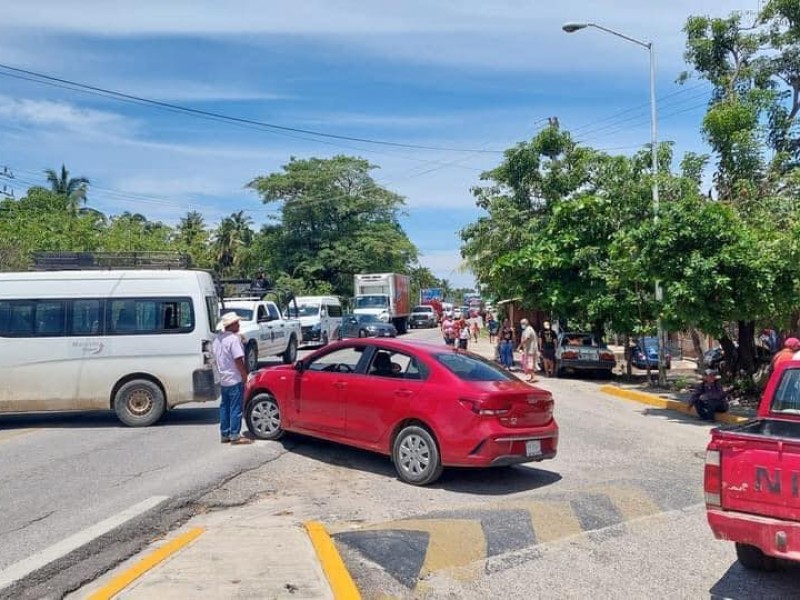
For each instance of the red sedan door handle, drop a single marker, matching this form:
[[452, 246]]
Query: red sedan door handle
[[340, 385], [403, 393]]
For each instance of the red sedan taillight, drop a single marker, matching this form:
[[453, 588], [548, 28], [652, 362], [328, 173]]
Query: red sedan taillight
[[487, 407], [569, 355], [713, 478], [606, 356]]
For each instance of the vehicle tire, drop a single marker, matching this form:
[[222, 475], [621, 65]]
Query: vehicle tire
[[362, 333], [263, 417], [754, 559], [251, 357], [558, 369], [139, 403], [416, 456], [325, 338], [290, 354]]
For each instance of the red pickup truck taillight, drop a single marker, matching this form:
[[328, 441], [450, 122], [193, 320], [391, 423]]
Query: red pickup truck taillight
[[713, 479]]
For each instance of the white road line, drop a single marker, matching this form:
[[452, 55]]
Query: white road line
[[28, 565]]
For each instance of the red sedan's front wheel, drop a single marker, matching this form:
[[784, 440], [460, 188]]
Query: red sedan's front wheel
[[416, 456]]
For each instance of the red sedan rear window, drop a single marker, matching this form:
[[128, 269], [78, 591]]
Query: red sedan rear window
[[472, 368]]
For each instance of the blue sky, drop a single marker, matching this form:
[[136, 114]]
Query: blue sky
[[463, 74]]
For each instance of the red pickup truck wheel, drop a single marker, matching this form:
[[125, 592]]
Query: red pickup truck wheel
[[754, 559]]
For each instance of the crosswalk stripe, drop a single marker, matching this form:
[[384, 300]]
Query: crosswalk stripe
[[453, 543], [552, 520], [633, 503]]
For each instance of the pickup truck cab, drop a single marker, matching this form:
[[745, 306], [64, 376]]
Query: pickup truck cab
[[264, 330], [752, 477]]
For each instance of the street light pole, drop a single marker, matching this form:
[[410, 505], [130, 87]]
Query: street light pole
[[572, 28]]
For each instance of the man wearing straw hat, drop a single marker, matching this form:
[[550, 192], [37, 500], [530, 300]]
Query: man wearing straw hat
[[229, 356]]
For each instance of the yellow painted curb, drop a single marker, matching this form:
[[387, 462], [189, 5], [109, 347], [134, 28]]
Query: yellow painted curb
[[666, 403], [342, 585], [123, 580]]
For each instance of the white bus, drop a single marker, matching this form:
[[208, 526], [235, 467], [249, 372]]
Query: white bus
[[133, 341]]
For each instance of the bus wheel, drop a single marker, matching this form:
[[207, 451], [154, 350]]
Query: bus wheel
[[139, 403]]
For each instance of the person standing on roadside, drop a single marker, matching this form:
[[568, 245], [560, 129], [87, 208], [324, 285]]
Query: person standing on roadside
[[462, 326], [547, 342], [529, 346], [506, 345], [448, 330], [229, 356], [491, 325]]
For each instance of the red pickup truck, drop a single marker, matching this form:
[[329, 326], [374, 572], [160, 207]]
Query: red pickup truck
[[752, 477]]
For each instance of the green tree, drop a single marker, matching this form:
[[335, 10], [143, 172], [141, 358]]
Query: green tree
[[335, 221], [755, 74], [73, 188], [192, 238], [232, 239]]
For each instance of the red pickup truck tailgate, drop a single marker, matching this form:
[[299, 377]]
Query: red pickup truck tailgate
[[761, 475]]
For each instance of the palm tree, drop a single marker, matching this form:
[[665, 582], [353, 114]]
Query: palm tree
[[192, 228], [230, 238], [74, 188]]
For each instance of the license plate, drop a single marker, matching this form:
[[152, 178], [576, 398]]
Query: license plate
[[533, 448]]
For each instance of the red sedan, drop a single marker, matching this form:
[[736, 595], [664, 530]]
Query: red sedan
[[426, 405]]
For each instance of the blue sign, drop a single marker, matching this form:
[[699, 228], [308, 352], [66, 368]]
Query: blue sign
[[429, 294]]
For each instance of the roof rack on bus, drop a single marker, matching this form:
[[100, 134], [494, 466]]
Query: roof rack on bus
[[58, 261]]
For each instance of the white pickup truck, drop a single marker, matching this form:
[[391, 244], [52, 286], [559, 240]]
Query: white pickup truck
[[264, 330]]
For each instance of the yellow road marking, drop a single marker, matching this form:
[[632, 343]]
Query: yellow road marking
[[123, 580], [552, 520], [633, 503], [666, 403], [341, 582], [452, 543]]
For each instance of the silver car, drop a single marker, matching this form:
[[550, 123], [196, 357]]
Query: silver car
[[581, 351]]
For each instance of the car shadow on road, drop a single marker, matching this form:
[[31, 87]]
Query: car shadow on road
[[740, 584], [98, 419], [481, 481]]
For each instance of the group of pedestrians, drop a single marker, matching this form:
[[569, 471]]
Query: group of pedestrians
[[458, 332], [531, 345]]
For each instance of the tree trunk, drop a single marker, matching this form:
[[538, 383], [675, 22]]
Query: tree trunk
[[697, 344], [746, 361], [628, 356], [729, 363]]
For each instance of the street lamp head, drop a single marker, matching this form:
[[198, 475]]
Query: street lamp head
[[572, 27]]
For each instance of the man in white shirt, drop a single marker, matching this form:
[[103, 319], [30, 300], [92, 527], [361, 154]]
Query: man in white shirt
[[229, 356], [529, 346]]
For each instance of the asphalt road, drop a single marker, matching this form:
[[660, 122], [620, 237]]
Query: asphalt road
[[63, 474], [618, 512]]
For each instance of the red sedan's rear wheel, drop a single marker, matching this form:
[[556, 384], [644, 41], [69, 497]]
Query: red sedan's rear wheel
[[416, 456]]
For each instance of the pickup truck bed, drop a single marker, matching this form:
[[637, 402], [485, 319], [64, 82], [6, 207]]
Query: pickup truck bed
[[752, 478]]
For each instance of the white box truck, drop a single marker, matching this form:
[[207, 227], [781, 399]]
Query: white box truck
[[385, 295]]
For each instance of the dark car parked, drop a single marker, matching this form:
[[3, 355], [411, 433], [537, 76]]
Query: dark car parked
[[646, 352], [360, 326]]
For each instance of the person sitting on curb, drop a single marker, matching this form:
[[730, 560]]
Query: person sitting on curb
[[709, 396]]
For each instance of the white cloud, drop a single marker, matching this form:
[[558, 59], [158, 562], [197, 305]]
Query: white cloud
[[193, 91], [50, 114], [503, 34]]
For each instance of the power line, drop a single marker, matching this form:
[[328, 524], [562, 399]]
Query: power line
[[38, 77]]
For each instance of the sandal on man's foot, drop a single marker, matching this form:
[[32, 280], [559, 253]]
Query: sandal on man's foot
[[242, 441]]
